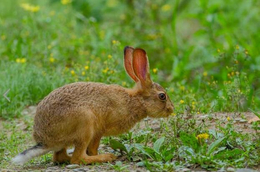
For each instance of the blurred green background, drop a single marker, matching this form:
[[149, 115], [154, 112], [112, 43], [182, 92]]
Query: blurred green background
[[205, 53]]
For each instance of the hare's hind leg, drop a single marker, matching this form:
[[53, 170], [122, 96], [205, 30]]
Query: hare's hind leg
[[80, 157], [61, 156], [93, 146]]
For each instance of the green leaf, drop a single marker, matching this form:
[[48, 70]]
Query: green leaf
[[117, 145], [230, 154], [214, 145], [145, 150], [158, 144], [189, 140]]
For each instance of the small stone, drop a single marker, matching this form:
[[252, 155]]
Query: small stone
[[156, 128], [72, 166], [52, 168], [243, 121], [203, 116], [221, 170], [184, 170], [230, 169], [238, 119], [80, 169], [245, 170]]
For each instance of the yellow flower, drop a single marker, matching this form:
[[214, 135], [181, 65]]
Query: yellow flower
[[109, 56], [35, 9], [72, 72], [86, 67], [202, 136], [52, 59], [218, 50], [65, 2], [23, 60], [228, 118], [152, 36], [114, 42], [31, 8], [155, 70], [83, 73], [18, 60], [105, 70], [173, 114], [228, 75], [112, 3], [246, 52], [182, 88], [205, 73], [166, 7], [237, 47], [182, 101], [124, 83], [3, 37]]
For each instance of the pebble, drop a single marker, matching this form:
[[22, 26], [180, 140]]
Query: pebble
[[72, 166], [80, 169], [230, 169], [52, 168], [184, 170], [156, 128], [245, 170]]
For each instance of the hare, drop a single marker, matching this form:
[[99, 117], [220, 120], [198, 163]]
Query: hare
[[79, 114]]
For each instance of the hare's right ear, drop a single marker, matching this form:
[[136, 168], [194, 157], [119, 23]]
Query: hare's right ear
[[128, 60]]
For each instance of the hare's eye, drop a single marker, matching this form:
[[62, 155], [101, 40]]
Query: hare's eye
[[162, 96]]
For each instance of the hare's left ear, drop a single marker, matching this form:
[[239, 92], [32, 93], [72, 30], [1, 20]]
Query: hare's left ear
[[141, 67], [128, 60]]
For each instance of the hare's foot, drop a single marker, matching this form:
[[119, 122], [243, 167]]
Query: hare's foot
[[61, 156], [93, 159]]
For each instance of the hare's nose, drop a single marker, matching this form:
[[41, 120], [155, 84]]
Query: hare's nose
[[170, 109]]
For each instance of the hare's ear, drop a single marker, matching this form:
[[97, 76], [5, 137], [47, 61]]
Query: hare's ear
[[141, 66], [128, 60]]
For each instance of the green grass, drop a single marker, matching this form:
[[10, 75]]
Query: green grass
[[205, 53]]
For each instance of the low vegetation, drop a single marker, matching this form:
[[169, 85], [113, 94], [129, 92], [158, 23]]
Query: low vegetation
[[205, 53]]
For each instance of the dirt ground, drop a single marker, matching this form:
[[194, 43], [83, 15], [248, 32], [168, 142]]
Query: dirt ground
[[241, 121]]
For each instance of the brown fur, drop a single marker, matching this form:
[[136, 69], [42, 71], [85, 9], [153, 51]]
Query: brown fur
[[81, 113]]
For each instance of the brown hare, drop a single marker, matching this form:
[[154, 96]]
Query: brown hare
[[79, 114]]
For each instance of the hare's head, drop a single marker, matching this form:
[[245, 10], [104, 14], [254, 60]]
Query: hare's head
[[156, 101]]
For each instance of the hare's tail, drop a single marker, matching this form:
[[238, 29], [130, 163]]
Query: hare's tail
[[30, 153]]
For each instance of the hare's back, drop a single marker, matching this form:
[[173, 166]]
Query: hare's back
[[70, 97]]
